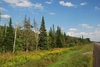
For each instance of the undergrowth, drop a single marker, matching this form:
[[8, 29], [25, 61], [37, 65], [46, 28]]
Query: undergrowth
[[61, 57]]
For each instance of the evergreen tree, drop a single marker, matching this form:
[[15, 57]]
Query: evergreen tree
[[88, 40], [82, 40], [9, 39], [52, 37], [64, 39], [19, 39], [1, 37], [43, 44], [59, 38], [4, 38]]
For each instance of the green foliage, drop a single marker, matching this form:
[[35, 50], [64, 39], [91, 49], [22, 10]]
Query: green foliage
[[52, 37], [59, 38], [1, 37], [75, 58], [28, 34], [43, 44], [19, 44], [19, 39], [22, 59], [62, 57], [9, 39], [30, 38]]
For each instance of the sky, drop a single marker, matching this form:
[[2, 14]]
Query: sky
[[75, 17]]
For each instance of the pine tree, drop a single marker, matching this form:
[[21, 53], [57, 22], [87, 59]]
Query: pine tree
[[59, 38], [43, 44], [64, 39], [52, 37], [1, 37], [9, 39], [4, 38], [19, 38]]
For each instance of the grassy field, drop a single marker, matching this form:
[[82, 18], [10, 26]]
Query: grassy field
[[59, 57], [76, 58]]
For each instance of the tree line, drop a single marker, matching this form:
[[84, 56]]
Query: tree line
[[31, 37]]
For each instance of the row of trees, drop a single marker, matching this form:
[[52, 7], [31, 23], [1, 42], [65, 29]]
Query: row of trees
[[29, 37]]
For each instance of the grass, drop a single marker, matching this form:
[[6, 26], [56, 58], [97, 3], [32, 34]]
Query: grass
[[20, 59], [75, 58], [59, 57]]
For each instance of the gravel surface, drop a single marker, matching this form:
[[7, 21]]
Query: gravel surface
[[96, 55]]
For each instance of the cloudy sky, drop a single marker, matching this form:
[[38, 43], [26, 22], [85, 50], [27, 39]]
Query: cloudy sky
[[75, 17]]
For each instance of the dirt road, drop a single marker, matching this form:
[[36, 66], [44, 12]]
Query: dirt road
[[96, 55]]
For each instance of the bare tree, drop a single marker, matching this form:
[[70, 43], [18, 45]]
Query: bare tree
[[15, 33], [36, 30]]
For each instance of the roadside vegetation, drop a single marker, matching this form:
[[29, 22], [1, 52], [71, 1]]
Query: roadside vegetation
[[76, 58], [28, 45], [69, 57]]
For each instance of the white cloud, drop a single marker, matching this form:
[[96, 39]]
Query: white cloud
[[5, 16], [98, 24], [72, 29], [97, 31], [91, 33], [38, 5], [82, 4], [94, 36], [80, 34], [48, 2], [52, 13], [85, 25], [62, 28], [68, 4], [83, 33], [3, 9], [0, 2], [20, 3], [70, 33], [97, 34], [97, 8], [23, 3]]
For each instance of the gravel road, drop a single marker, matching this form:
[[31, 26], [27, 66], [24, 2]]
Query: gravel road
[[96, 55]]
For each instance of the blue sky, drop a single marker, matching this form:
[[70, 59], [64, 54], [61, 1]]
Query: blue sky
[[75, 17]]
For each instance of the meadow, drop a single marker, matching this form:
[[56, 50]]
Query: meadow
[[58, 57]]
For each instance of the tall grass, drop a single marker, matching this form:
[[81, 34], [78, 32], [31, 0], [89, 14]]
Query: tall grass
[[60, 57], [76, 58], [22, 59]]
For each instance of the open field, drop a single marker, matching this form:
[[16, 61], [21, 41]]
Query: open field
[[78, 56]]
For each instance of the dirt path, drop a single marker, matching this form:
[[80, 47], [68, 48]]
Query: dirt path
[[96, 55], [90, 52]]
